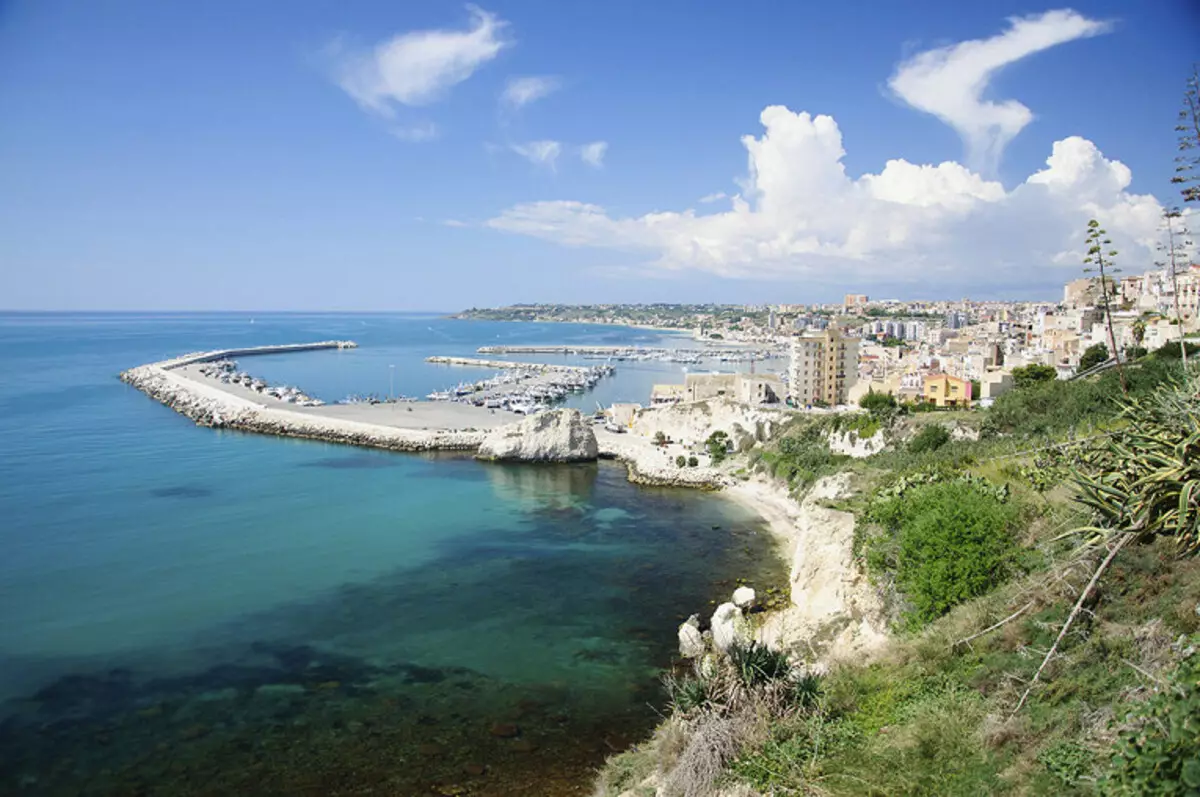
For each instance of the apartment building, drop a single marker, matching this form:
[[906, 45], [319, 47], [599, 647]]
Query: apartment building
[[824, 367]]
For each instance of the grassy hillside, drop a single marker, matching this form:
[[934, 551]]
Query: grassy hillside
[[976, 545]]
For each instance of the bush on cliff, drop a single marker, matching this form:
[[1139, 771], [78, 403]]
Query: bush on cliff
[[945, 543]]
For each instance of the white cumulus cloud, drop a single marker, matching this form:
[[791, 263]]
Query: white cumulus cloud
[[418, 67], [539, 153], [593, 153], [944, 227], [520, 91], [949, 82]]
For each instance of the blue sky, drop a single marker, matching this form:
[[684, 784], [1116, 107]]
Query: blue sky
[[228, 155]]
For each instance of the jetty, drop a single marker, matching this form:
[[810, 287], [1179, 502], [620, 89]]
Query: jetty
[[474, 362], [188, 386], [192, 386]]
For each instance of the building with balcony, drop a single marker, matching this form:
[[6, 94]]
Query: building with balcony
[[824, 367]]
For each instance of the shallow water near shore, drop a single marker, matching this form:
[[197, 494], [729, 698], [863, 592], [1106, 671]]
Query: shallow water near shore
[[187, 611]]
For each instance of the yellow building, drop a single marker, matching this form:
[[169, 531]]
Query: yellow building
[[824, 367], [943, 390]]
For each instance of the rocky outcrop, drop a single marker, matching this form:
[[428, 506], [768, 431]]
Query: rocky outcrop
[[729, 628], [744, 597], [691, 639], [692, 422], [835, 612], [849, 444], [552, 436]]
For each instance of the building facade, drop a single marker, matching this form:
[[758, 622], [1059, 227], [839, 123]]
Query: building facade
[[824, 366]]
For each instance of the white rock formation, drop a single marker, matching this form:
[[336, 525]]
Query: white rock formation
[[552, 436], [691, 641], [851, 445], [693, 422], [729, 627], [743, 597], [835, 612]]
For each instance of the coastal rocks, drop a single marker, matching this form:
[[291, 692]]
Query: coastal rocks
[[691, 641], [851, 445], [743, 597], [729, 627], [835, 611], [552, 436], [693, 422]]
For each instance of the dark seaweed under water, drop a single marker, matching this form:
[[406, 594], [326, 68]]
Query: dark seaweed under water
[[192, 612], [561, 630]]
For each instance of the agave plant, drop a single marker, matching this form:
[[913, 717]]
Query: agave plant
[[1145, 478]]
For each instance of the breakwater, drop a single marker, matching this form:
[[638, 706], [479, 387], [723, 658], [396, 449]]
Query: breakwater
[[433, 426], [207, 404], [475, 362], [251, 351]]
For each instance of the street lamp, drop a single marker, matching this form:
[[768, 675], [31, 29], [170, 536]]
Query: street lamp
[[391, 383]]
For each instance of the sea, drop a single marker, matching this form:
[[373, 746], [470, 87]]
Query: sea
[[185, 611]]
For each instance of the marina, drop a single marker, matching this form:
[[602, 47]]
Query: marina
[[645, 354], [522, 388]]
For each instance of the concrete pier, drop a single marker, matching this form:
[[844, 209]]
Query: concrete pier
[[407, 426], [505, 365]]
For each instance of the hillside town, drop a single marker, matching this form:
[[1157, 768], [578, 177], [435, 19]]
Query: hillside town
[[940, 353]]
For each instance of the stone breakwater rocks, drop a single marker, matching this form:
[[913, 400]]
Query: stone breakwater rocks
[[551, 436], [210, 406]]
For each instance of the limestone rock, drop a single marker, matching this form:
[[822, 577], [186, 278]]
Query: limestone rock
[[691, 641], [729, 627], [743, 597], [551, 436]]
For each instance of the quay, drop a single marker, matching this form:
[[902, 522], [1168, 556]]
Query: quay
[[504, 365], [251, 351]]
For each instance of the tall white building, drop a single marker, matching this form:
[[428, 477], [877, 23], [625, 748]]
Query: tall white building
[[824, 366]]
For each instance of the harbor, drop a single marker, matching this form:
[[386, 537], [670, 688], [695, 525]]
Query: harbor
[[645, 354], [522, 388]]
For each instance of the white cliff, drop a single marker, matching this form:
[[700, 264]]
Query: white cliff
[[835, 613], [553, 436]]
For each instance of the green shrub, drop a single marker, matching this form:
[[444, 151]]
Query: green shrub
[[875, 403], [946, 542], [692, 461], [680, 461], [718, 446], [1092, 356], [1162, 754], [1067, 762], [1033, 374], [757, 664], [930, 438]]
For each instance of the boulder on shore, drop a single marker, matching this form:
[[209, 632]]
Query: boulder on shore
[[552, 436], [691, 641], [743, 597], [729, 628]]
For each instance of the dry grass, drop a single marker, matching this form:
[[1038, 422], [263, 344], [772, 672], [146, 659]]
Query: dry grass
[[714, 742]]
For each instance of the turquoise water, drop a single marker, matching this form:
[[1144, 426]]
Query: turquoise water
[[291, 617]]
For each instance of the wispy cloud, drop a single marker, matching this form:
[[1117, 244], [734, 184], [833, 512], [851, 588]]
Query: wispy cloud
[[713, 197], [520, 91], [540, 153], [949, 82], [454, 223], [415, 134], [593, 154], [418, 67]]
